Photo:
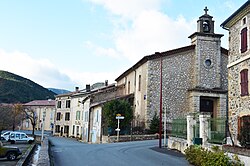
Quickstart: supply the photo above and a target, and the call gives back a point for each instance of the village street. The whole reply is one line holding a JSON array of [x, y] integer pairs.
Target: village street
[[68, 152]]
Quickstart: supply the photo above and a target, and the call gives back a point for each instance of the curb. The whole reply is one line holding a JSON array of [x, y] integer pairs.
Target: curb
[[26, 155], [44, 158]]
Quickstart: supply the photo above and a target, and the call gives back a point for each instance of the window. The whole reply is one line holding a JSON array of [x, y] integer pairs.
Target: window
[[244, 82], [23, 136], [77, 130], [67, 103], [243, 40], [59, 104], [58, 116], [139, 83], [86, 116], [66, 129], [57, 128], [78, 114], [97, 116], [243, 121], [73, 130], [129, 87], [67, 116], [17, 136], [244, 21]]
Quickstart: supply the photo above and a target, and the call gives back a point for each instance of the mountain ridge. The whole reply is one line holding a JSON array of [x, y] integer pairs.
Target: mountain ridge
[[17, 89]]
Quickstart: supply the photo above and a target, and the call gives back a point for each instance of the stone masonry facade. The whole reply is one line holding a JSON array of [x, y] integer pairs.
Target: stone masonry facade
[[238, 105]]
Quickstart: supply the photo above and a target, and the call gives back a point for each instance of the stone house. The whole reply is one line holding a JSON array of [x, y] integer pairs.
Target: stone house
[[238, 69], [44, 111], [193, 78]]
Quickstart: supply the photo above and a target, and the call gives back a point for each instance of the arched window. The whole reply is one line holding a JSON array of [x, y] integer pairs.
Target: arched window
[[243, 40], [244, 82]]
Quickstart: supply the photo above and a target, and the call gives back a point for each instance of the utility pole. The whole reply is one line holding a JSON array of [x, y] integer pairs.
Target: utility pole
[[160, 127]]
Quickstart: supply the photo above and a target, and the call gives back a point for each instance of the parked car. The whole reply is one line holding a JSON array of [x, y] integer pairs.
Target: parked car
[[20, 137], [11, 153], [5, 135]]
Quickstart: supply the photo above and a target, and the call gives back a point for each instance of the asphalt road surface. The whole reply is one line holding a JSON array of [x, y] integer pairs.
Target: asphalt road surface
[[68, 152]]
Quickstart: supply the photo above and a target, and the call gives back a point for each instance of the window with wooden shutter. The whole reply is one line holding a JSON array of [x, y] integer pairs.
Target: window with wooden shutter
[[244, 82], [244, 40]]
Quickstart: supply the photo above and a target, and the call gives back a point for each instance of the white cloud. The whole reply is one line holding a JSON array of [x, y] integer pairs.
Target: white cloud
[[101, 51], [45, 73], [230, 5], [41, 71], [128, 9], [145, 30], [83, 78], [151, 32]]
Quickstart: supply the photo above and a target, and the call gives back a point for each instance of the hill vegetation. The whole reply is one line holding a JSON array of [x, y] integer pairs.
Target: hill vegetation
[[17, 89]]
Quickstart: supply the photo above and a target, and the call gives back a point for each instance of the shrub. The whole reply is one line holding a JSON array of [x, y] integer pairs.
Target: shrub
[[154, 124], [198, 156]]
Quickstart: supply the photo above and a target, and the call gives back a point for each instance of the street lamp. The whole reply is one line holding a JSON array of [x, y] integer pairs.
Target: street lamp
[[43, 119]]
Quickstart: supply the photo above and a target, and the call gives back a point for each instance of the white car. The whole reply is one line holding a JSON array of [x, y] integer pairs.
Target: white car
[[20, 137], [5, 135]]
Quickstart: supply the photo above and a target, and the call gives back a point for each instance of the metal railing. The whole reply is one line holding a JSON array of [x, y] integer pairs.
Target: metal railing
[[179, 128], [217, 130]]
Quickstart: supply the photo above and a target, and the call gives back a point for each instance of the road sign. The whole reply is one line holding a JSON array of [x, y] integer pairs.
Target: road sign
[[119, 117], [117, 129]]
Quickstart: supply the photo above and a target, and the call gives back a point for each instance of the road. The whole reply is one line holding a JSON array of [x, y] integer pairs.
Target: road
[[68, 152]]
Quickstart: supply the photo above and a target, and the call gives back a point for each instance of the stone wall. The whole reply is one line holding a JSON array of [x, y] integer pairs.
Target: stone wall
[[208, 48], [177, 73], [238, 105]]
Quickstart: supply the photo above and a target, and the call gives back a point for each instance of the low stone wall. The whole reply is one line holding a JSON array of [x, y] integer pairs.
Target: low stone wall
[[243, 153], [126, 138], [177, 144]]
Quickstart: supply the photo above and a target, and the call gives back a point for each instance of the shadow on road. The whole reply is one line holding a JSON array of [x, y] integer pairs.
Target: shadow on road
[[168, 152]]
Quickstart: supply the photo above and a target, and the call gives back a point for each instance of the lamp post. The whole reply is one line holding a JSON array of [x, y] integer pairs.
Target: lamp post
[[43, 119]]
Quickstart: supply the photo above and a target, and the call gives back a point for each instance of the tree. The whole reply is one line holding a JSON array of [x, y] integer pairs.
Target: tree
[[6, 117], [17, 115], [11, 115], [32, 116], [155, 124], [114, 107]]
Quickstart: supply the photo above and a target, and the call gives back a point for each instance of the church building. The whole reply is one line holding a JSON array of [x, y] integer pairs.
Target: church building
[[189, 79]]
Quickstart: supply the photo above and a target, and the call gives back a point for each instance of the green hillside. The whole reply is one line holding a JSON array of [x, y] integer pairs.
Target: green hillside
[[14, 89]]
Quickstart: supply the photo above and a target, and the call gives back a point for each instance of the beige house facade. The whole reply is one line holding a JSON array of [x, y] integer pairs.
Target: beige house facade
[[44, 113], [238, 25]]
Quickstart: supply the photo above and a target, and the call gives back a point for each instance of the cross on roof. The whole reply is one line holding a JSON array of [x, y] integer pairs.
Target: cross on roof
[[206, 9]]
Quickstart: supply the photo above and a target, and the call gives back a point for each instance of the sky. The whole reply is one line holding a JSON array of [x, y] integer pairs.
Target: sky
[[70, 43]]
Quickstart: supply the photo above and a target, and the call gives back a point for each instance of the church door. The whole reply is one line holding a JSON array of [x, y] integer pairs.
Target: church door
[[207, 105]]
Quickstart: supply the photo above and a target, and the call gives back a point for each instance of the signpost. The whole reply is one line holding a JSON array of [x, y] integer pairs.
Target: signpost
[[118, 117]]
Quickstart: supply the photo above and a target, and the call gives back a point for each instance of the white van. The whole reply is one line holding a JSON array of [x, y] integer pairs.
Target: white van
[[20, 137]]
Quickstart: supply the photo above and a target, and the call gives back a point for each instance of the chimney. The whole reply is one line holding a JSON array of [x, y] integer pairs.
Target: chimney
[[76, 88], [106, 83], [87, 87]]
